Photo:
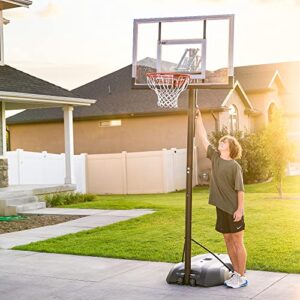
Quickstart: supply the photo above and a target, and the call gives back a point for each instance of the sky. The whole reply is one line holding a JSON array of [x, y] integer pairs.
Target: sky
[[72, 42]]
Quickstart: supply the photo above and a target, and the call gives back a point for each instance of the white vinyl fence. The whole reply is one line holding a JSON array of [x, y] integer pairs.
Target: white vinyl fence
[[122, 173], [138, 172], [26, 167]]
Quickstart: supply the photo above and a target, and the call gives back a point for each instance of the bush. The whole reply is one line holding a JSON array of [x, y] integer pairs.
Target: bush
[[254, 161], [67, 198]]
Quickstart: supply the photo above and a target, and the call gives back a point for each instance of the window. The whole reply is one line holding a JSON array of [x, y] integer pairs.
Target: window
[[271, 111], [233, 118], [110, 123]]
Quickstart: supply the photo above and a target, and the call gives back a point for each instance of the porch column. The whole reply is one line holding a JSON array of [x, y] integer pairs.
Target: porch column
[[3, 159], [69, 144], [2, 130], [1, 39]]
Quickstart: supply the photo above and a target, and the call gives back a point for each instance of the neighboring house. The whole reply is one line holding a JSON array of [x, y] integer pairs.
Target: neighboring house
[[274, 85], [19, 90], [126, 119]]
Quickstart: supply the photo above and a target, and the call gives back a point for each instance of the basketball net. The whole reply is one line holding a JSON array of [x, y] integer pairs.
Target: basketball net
[[168, 87]]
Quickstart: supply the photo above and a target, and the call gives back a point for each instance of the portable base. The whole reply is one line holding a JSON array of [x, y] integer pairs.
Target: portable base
[[206, 271]]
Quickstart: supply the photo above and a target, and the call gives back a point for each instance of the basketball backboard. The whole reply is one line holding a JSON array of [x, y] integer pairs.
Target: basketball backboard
[[201, 46]]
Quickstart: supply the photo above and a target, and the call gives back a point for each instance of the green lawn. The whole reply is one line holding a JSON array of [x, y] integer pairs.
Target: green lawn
[[272, 235]]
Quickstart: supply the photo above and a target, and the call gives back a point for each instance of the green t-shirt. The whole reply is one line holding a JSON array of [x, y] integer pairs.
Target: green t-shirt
[[226, 180]]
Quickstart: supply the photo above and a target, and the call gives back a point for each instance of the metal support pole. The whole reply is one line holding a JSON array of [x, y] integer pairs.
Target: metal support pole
[[189, 185]]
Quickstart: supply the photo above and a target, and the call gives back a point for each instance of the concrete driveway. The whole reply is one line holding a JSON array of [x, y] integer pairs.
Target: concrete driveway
[[26, 275]]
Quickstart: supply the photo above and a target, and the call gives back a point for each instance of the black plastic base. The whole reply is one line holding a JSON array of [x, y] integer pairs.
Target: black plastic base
[[206, 271]]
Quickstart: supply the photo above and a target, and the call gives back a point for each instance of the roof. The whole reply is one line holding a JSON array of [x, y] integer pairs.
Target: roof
[[116, 98], [13, 80], [258, 77], [14, 3], [20, 90]]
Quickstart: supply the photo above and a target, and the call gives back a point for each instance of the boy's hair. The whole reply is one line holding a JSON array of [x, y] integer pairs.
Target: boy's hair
[[234, 146]]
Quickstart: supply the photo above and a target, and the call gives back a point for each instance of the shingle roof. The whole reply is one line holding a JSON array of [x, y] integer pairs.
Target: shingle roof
[[13, 80], [14, 3], [258, 77], [115, 96], [256, 81]]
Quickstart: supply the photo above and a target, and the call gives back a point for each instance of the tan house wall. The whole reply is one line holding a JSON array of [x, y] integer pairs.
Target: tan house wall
[[261, 102], [244, 122], [134, 135], [37, 137]]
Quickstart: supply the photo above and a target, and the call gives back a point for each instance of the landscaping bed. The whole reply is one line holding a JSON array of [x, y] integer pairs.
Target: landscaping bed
[[34, 221]]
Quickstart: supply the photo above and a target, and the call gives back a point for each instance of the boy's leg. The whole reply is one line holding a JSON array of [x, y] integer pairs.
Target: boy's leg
[[231, 250], [238, 251]]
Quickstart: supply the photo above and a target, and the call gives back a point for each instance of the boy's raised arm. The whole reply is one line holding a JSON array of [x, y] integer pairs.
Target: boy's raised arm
[[200, 132]]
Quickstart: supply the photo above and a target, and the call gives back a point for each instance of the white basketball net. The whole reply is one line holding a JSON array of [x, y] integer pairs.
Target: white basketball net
[[168, 87]]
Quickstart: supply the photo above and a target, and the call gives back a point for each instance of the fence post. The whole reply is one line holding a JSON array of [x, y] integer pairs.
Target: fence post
[[19, 163], [165, 176], [44, 169], [83, 162], [124, 172], [174, 181]]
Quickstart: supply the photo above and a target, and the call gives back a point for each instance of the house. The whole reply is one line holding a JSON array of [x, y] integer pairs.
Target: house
[[126, 119], [19, 90]]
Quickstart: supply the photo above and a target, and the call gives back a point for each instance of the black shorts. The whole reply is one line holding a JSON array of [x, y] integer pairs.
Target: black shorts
[[225, 222]]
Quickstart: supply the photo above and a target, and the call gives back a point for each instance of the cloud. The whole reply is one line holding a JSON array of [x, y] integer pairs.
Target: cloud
[[49, 10]]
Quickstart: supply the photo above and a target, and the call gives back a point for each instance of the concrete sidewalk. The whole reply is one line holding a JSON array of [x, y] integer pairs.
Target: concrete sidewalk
[[93, 218], [28, 275]]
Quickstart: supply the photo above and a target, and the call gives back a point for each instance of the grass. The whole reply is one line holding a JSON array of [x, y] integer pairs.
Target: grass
[[271, 237], [291, 184]]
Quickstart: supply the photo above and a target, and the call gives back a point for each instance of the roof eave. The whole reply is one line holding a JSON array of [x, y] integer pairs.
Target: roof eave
[[45, 99], [252, 112], [275, 77], [7, 4], [237, 86], [259, 91], [182, 111]]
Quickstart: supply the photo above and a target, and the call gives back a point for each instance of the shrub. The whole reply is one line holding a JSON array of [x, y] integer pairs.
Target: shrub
[[254, 161], [54, 200]]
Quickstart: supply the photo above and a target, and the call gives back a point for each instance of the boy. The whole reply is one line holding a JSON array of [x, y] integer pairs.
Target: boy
[[227, 194]]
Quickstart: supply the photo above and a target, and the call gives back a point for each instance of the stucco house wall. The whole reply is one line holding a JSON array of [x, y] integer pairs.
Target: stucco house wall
[[134, 134], [244, 121], [261, 101]]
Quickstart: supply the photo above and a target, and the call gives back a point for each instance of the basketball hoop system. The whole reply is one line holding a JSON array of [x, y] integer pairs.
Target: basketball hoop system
[[169, 78], [168, 86]]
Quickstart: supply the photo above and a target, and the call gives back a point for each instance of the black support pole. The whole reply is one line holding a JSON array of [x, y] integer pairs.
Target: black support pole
[[189, 185]]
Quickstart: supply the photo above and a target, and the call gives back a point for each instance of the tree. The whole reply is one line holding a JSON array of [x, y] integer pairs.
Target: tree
[[279, 148]]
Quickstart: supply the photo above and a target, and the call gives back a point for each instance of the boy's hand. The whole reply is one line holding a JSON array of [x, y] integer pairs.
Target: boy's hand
[[237, 216]]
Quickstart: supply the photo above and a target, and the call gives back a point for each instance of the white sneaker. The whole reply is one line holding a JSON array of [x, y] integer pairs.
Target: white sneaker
[[236, 281], [227, 275], [231, 274]]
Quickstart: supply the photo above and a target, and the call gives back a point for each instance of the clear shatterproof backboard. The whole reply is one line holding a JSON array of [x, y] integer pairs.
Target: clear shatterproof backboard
[[201, 46]]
